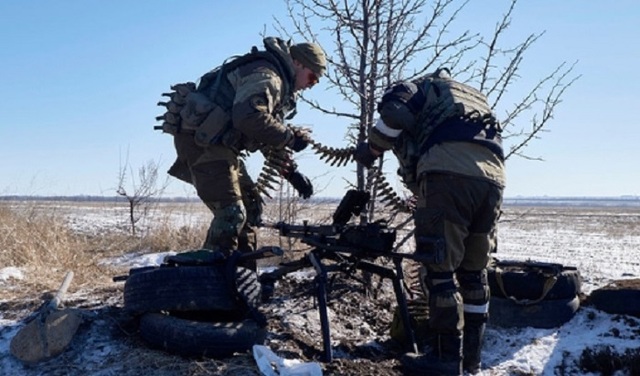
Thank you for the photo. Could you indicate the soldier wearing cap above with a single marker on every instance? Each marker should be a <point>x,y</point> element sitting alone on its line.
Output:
<point>261,92</point>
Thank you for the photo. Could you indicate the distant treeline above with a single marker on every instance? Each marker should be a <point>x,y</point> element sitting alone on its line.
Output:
<point>621,201</point>
<point>120,199</point>
<point>115,199</point>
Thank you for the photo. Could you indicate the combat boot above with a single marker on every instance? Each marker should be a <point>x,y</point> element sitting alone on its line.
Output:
<point>472,345</point>
<point>444,359</point>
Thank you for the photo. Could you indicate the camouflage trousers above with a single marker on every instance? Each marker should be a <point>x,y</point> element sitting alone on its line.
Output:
<point>224,185</point>
<point>455,224</point>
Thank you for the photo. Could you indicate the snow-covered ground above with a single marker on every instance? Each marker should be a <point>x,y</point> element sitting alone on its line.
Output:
<point>602,242</point>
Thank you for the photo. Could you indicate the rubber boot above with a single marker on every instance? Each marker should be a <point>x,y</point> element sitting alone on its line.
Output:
<point>472,344</point>
<point>444,359</point>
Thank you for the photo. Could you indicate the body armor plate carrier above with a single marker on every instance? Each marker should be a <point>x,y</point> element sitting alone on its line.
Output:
<point>204,110</point>
<point>445,110</point>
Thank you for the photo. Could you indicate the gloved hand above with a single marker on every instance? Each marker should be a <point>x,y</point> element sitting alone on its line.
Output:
<point>300,139</point>
<point>363,155</point>
<point>298,143</point>
<point>300,183</point>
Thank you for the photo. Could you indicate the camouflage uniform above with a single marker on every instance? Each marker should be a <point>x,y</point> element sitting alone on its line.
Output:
<point>451,157</point>
<point>262,95</point>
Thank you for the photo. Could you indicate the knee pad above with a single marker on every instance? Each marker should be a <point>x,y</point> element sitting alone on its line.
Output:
<point>445,303</point>
<point>226,225</point>
<point>442,288</point>
<point>231,217</point>
<point>472,279</point>
<point>475,291</point>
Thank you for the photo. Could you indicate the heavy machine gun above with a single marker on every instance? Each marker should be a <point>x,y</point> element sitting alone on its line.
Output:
<point>347,247</point>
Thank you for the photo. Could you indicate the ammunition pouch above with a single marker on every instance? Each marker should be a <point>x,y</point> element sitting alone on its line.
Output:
<point>203,118</point>
<point>212,127</point>
<point>177,100</point>
<point>192,112</point>
<point>430,249</point>
<point>195,110</point>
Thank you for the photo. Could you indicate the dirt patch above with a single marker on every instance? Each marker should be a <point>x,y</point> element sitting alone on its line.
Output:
<point>359,318</point>
<point>618,297</point>
<point>109,338</point>
<point>606,361</point>
<point>623,284</point>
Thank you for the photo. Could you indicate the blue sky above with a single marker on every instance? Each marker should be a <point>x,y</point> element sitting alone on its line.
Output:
<point>80,82</point>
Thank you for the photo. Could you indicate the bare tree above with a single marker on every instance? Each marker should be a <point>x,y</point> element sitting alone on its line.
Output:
<point>142,193</point>
<point>377,43</point>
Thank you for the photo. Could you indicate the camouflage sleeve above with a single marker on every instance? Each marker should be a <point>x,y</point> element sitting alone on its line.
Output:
<point>394,118</point>
<point>258,95</point>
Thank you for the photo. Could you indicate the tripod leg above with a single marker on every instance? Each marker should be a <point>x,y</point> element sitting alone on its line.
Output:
<point>402,305</point>
<point>321,282</point>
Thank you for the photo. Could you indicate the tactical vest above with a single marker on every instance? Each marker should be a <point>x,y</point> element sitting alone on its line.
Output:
<point>204,110</point>
<point>445,110</point>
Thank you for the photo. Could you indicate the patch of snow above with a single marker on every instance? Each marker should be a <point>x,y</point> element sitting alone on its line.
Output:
<point>585,239</point>
<point>10,272</point>
<point>138,260</point>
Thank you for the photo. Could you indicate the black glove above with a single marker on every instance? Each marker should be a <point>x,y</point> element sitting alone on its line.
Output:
<point>363,155</point>
<point>300,183</point>
<point>298,143</point>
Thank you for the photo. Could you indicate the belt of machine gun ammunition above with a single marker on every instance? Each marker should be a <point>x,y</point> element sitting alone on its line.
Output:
<point>281,160</point>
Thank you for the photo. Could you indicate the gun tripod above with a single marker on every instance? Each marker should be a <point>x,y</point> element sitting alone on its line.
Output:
<point>343,260</point>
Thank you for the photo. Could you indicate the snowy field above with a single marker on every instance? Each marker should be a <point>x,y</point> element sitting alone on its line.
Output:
<point>603,242</point>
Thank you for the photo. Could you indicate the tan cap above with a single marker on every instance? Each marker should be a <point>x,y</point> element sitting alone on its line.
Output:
<point>311,56</point>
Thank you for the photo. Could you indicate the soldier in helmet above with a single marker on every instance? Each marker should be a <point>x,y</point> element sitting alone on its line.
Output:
<point>237,108</point>
<point>449,148</point>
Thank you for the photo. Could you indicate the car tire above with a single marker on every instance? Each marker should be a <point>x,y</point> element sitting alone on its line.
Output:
<point>199,338</point>
<point>547,313</point>
<point>618,297</point>
<point>188,288</point>
<point>532,281</point>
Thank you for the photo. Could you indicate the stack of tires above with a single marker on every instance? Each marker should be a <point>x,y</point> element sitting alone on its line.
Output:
<point>530,293</point>
<point>202,309</point>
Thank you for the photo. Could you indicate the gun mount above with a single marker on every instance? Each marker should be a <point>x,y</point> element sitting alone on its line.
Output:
<point>349,247</point>
<point>372,240</point>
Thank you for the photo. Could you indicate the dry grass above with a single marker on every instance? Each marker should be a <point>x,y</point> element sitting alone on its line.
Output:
<point>42,245</point>
<point>37,238</point>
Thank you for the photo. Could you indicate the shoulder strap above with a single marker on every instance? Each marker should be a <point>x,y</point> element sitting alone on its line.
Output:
<point>211,81</point>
